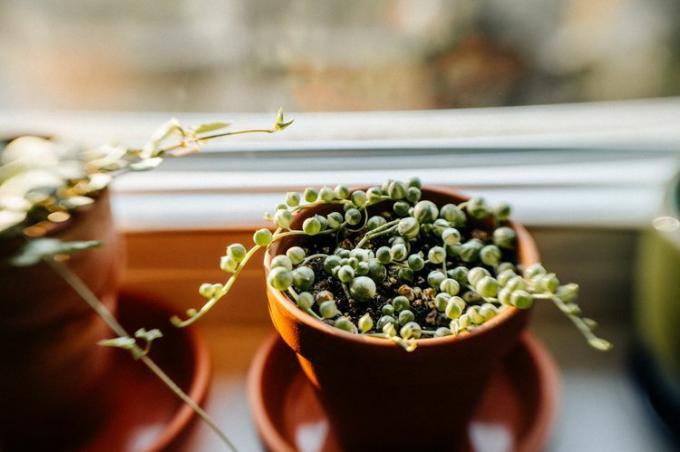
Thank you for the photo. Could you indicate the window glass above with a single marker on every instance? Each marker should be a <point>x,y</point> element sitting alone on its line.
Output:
<point>325,55</point>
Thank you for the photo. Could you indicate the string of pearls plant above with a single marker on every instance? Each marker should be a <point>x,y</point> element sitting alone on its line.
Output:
<point>409,271</point>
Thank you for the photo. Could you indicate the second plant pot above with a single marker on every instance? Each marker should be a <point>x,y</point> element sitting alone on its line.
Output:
<point>48,335</point>
<point>377,395</point>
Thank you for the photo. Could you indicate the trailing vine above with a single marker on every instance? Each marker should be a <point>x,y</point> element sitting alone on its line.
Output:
<point>42,182</point>
<point>409,271</point>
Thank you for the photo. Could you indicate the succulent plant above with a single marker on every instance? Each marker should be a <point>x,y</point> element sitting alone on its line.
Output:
<point>404,270</point>
<point>43,181</point>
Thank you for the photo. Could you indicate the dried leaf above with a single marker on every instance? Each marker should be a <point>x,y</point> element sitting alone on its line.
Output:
<point>111,157</point>
<point>146,164</point>
<point>166,130</point>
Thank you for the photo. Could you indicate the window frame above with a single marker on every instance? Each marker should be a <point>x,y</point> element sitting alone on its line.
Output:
<point>592,165</point>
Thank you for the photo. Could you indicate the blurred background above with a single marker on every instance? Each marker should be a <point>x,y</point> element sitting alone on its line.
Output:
<point>324,55</point>
<point>390,89</point>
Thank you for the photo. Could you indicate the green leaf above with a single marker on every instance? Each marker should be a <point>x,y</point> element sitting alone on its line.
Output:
<point>280,124</point>
<point>129,343</point>
<point>37,249</point>
<point>211,127</point>
<point>126,343</point>
<point>148,336</point>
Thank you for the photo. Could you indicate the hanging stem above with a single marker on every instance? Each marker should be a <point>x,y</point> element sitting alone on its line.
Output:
<point>215,298</point>
<point>281,235</point>
<point>312,257</point>
<point>194,316</point>
<point>201,140</point>
<point>91,299</point>
<point>580,323</point>
<point>236,132</point>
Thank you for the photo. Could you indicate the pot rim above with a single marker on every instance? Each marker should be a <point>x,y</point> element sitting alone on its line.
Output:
<point>530,253</point>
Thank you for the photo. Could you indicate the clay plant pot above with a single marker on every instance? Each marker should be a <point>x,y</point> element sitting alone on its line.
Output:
<point>48,334</point>
<point>380,397</point>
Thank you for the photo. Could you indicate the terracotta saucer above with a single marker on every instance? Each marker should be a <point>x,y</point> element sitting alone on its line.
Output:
<point>138,412</point>
<point>144,414</point>
<point>516,413</point>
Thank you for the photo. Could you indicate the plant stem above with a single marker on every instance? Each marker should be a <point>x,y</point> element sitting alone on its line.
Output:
<point>407,344</point>
<point>427,332</point>
<point>183,143</point>
<point>232,279</point>
<point>344,289</point>
<point>318,202</point>
<point>576,320</point>
<point>375,232</point>
<point>236,132</point>
<point>309,311</point>
<point>289,233</point>
<point>215,298</point>
<point>91,299</point>
<point>386,231</point>
<point>188,400</point>
<point>363,225</point>
<point>312,257</point>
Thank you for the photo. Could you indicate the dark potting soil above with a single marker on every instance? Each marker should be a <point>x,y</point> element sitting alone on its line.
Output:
<point>422,304</point>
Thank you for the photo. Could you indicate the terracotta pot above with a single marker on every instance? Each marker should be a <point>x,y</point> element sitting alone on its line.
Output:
<point>48,334</point>
<point>380,397</point>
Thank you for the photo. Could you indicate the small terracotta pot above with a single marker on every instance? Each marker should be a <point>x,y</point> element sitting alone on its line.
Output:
<point>377,395</point>
<point>48,334</point>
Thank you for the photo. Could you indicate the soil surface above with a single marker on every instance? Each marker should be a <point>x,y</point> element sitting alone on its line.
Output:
<point>422,304</point>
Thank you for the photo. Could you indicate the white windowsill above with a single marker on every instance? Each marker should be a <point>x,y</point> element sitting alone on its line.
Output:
<point>622,124</point>
<point>603,164</point>
<point>625,195</point>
